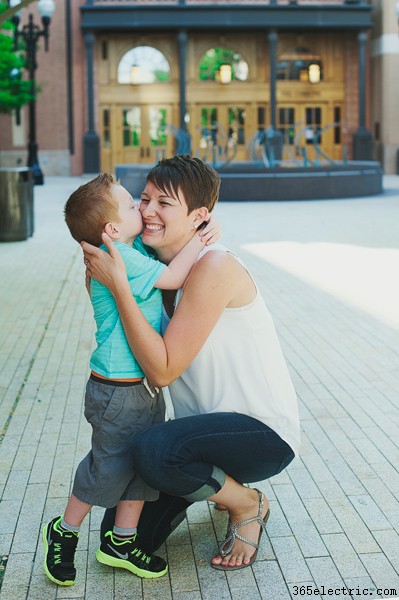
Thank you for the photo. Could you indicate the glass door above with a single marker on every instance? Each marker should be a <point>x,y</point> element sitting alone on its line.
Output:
<point>143,135</point>
<point>311,132</point>
<point>106,139</point>
<point>289,128</point>
<point>219,132</point>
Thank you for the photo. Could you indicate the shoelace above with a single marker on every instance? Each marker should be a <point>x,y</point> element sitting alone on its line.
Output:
<point>57,553</point>
<point>66,554</point>
<point>137,555</point>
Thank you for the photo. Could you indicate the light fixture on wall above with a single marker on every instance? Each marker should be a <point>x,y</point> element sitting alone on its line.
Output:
<point>135,74</point>
<point>225,73</point>
<point>314,73</point>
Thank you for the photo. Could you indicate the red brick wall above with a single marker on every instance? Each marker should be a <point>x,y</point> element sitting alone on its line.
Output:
<point>51,106</point>
<point>79,89</point>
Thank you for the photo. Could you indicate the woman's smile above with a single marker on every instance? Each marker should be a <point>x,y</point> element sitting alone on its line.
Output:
<point>154,226</point>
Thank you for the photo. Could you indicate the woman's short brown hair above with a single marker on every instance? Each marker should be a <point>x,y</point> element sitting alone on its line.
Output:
<point>90,208</point>
<point>199,183</point>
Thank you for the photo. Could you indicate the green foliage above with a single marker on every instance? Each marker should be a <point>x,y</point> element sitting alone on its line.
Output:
<point>14,90</point>
<point>161,75</point>
<point>212,61</point>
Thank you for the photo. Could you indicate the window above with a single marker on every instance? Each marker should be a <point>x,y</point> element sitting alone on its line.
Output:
<point>209,127</point>
<point>236,132</point>
<point>106,128</point>
<point>337,125</point>
<point>143,65</point>
<point>157,121</point>
<point>215,60</point>
<point>131,126</point>
<point>313,125</point>
<point>300,64</point>
<point>286,124</point>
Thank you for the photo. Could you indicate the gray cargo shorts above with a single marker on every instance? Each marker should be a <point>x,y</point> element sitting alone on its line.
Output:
<point>116,412</point>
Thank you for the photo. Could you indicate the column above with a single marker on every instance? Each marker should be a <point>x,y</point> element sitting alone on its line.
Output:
<point>91,141</point>
<point>274,138</point>
<point>183,137</point>
<point>362,139</point>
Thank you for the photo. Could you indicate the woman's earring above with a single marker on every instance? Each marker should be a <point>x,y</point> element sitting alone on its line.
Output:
<point>195,225</point>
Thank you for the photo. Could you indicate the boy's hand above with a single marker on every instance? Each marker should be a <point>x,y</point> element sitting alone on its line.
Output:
<point>212,232</point>
<point>108,269</point>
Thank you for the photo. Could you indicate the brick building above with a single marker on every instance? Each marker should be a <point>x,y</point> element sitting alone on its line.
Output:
<point>123,80</point>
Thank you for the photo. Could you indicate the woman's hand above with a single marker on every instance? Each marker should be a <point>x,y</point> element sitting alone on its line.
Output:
<point>211,233</point>
<point>108,269</point>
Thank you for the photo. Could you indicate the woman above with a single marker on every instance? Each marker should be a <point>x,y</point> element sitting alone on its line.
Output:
<point>236,417</point>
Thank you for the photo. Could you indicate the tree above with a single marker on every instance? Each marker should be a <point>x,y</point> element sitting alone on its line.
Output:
<point>14,90</point>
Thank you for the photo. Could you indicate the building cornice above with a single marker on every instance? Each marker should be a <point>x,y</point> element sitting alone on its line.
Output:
<point>197,17</point>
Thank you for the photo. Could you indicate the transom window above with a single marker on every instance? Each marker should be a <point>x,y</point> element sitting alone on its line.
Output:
<point>143,65</point>
<point>223,65</point>
<point>300,64</point>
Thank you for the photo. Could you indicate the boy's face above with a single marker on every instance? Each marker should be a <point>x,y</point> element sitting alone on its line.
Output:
<point>131,223</point>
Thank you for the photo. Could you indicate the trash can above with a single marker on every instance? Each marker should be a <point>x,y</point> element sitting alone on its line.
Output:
<point>16,204</point>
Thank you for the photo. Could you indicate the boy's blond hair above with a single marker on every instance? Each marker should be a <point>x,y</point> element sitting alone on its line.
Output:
<point>90,208</point>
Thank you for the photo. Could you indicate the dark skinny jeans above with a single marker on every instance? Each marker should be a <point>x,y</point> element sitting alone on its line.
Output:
<point>187,460</point>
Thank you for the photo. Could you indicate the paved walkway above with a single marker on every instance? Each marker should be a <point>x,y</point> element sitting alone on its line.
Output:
<point>329,272</point>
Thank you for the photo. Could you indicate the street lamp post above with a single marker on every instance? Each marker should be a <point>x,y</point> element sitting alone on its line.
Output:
<point>31,33</point>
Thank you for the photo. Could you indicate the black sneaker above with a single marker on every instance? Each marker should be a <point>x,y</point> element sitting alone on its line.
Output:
<point>128,555</point>
<point>59,553</point>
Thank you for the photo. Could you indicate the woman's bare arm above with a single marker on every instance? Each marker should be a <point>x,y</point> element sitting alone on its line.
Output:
<point>209,289</point>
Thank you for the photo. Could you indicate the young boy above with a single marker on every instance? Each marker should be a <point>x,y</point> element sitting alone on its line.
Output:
<point>119,401</point>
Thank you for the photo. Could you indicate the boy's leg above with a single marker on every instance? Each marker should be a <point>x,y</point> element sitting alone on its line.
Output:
<point>121,547</point>
<point>157,521</point>
<point>75,512</point>
<point>126,519</point>
<point>128,514</point>
<point>60,538</point>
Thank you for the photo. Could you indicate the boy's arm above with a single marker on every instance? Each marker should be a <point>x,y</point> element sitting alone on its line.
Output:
<point>178,269</point>
<point>176,272</point>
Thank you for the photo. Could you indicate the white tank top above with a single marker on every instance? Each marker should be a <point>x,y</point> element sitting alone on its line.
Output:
<point>240,368</point>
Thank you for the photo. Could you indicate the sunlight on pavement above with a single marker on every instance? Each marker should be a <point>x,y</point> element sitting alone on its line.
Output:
<point>365,278</point>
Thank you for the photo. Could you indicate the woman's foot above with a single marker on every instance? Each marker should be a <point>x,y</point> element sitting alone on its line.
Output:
<point>242,553</point>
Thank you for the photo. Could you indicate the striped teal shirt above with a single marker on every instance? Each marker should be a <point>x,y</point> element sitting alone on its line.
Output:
<point>113,358</point>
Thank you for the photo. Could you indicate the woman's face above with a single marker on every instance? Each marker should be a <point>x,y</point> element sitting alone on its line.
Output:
<point>167,224</point>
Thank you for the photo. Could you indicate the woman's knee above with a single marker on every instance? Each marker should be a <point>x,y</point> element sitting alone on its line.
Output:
<point>150,447</point>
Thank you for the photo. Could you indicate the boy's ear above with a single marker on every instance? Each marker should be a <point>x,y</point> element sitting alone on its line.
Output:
<point>111,230</point>
<point>202,214</point>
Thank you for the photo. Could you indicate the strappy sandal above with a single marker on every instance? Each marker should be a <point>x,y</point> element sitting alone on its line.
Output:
<point>232,535</point>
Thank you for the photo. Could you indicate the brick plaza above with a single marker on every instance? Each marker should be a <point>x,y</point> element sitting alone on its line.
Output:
<point>329,273</point>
